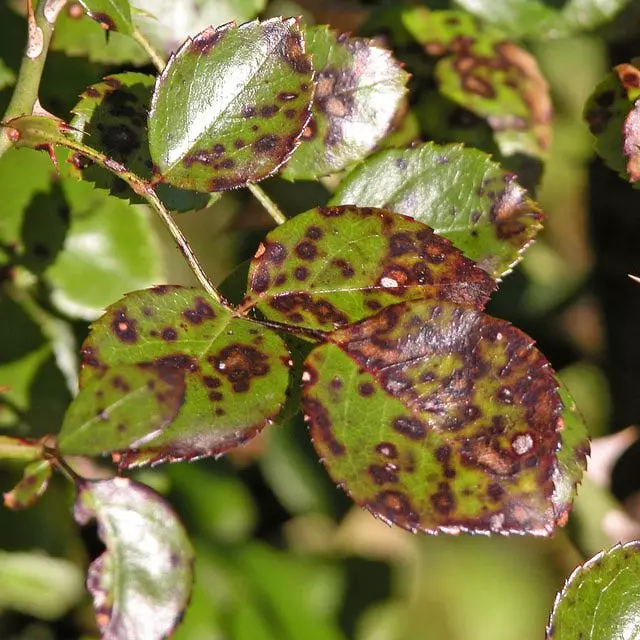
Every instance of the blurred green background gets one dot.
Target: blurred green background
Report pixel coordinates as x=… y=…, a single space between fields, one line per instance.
x=281 y=553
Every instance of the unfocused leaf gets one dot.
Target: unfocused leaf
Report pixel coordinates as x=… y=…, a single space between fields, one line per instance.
x=458 y=192
x=437 y=417
x=224 y=377
x=601 y=599
x=111 y=15
x=541 y=19
x=613 y=115
x=38 y=585
x=231 y=105
x=7 y=77
x=112 y=117
x=167 y=23
x=33 y=484
x=331 y=266
x=359 y=87
x=142 y=582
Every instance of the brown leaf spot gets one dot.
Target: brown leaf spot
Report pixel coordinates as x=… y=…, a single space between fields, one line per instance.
x=211 y=382
x=409 y=427
x=366 y=389
x=205 y=41
x=169 y=334
x=315 y=233
x=443 y=500
x=260 y=279
x=387 y=449
x=200 y=312
x=265 y=144
x=124 y=328
x=306 y=250
x=301 y=273
x=383 y=474
x=321 y=426
x=292 y=51
x=241 y=363
x=120 y=384
x=395 y=507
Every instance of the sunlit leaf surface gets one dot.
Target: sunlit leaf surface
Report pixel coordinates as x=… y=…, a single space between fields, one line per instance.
x=142 y=582
x=169 y=374
x=460 y=193
x=601 y=599
x=331 y=266
x=358 y=90
x=436 y=417
x=231 y=105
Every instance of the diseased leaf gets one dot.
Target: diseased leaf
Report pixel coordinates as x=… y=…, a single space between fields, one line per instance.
x=572 y=456
x=33 y=484
x=436 y=417
x=359 y=87
x=167 y=23
x=540 y=19
x=225 y=377
x=601 y=598
x=458 y=192
x=613 y=115
x=231 y=105
x=142 y=582
x=331 y=266
x=112 y=114
x=111 y=15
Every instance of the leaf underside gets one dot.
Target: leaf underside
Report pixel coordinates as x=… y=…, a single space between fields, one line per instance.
x=331 y=266
x=438 y=418
x=231 y=105
x=460 y=193
x=141 y=584
x=33 y=484
x=601 y=599
x=359 y=87
x=169 y=374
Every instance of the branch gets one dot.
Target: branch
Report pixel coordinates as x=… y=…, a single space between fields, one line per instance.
x=156 y=58
x=271 y=207
x=25 y=96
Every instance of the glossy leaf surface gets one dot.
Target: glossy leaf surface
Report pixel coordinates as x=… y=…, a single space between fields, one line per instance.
x=231 y=105
x=436 y=417
x=460 y=193
x=613 y=115
x=192 y=380
x=111 y=15
x=331 y=266
x=33 y=484
x=359 y=87
x=540 y=18
x=167 y=23
x=142 y=582
x=112 y=117
x=601 y=599
x=481 y=72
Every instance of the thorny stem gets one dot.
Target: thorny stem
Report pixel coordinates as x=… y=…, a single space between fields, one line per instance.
x=156 y=58
x=25 y=95
x=271 y=207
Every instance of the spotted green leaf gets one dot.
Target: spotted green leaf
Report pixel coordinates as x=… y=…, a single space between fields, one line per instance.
x=112 y=117
x=33 y=484
x=359 y=87
x=231 y=105
x=169 y=374
x=541 y=19
x=111 y=15
x=331 y=266
x=142 y=583
x=458 y=192
x=436 y=417
x=601 y=598
x=613 y=115
x=167 y=23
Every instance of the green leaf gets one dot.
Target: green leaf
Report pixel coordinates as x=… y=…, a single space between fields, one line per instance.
x=226 y=377
x=601 y=598
x=38 y=585
x=613 y=115
x=113 y=114
x=7 y=77
x=167 y=23
x=331 y=266
x=141 y=584
x=436 y=417
x=231 y=105
x=359 y=87
x=111 y=15
x=33 y=484
x=458 y=192
x=78 y=35
x=572 y=455
x=540 y=19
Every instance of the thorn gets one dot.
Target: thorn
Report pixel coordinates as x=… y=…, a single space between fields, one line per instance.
x=52 y=154
x=634 y=278
x=35 y=37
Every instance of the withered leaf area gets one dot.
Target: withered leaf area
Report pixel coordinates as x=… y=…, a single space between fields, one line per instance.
x=332 y=266
x=437 y=417
x=170 y=374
